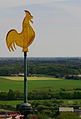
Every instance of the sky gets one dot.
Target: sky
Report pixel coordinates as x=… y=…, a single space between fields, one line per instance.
x=57 y=25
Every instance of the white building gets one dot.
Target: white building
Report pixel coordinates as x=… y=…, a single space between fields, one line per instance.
x=66 y=109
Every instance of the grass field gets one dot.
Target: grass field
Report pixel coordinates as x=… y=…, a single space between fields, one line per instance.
x=66 y=102
x=39 y=83
x=30 y=78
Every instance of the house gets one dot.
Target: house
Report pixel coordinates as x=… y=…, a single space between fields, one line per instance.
x=21 y=74
x=66 y=109
x=67 y=76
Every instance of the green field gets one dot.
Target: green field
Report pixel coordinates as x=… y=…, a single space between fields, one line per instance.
x=66 y=102
x=39 y=83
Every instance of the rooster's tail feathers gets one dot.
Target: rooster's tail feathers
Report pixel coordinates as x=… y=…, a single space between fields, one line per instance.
x=10 y=40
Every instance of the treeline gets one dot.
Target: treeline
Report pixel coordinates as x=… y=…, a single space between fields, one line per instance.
x=56 y=67
x=9 y=66
x=40 y=95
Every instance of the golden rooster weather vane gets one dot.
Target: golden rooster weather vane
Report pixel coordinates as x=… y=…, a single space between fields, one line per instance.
x=23 y=39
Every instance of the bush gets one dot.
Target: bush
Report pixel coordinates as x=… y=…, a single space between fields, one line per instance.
x=68 y=115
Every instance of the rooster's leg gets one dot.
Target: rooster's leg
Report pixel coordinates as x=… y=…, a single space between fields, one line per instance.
x=25 y=49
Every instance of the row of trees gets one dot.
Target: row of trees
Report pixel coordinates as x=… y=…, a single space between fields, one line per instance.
x=40 y=95
x=38 y=66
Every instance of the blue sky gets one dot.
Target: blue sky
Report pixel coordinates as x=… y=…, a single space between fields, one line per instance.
x=57 y=25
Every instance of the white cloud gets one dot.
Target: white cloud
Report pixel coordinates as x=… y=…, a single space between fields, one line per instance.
x=74 y=11
x=60 y=0
x=14 y=3
x=73 y=14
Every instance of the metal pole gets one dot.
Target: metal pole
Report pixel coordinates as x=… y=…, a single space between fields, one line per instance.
x=27 y=106
x=25 y=77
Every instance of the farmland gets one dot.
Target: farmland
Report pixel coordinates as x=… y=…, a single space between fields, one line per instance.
x=47 y=89
x=16 y=83
x=65 y=102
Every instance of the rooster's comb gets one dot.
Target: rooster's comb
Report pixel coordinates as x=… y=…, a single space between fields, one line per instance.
x=26 y=11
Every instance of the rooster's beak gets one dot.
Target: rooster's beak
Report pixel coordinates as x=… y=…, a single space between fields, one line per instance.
x=31 y=18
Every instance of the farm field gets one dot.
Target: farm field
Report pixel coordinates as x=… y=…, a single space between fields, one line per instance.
x=29 y=78
x=7 y=83
x=66 y=102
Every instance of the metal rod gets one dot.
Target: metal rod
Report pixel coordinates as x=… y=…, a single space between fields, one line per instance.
x=25 y=77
